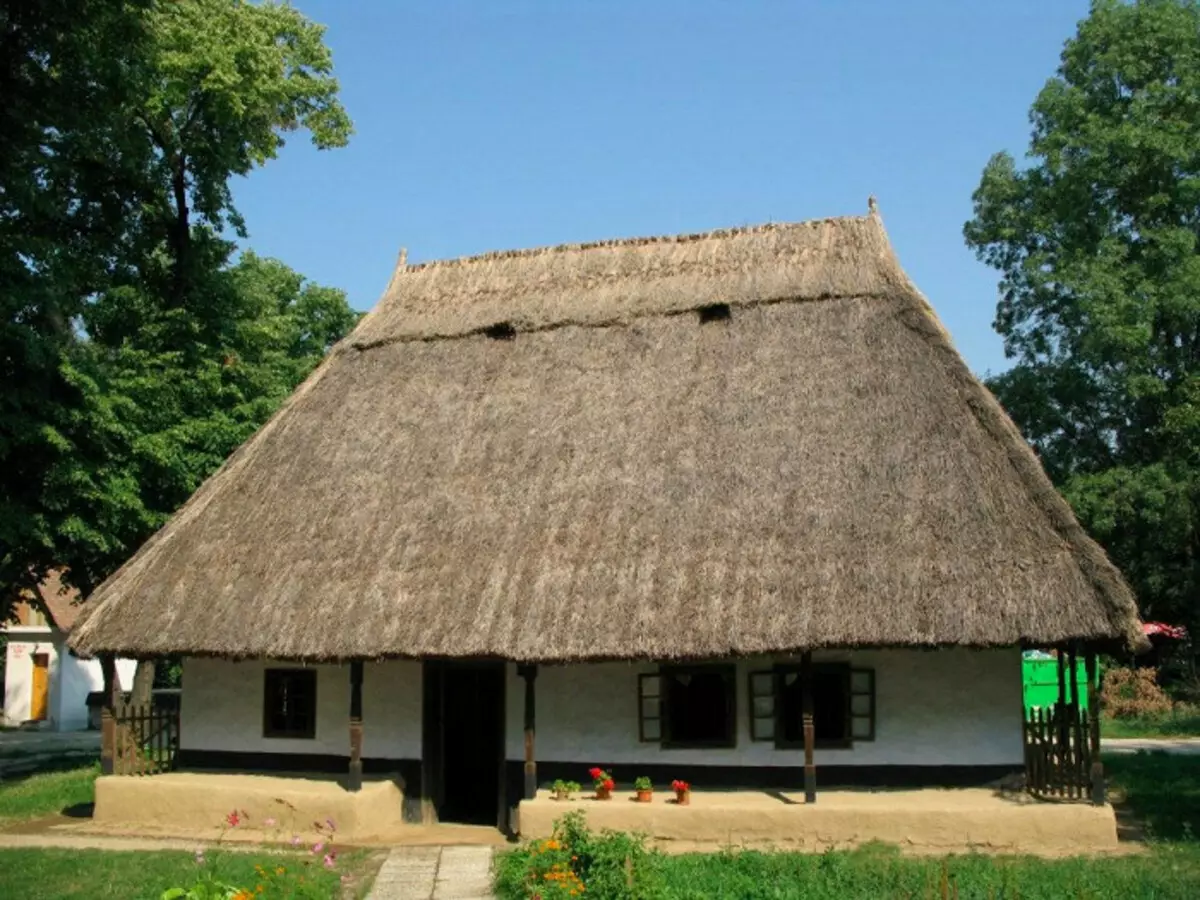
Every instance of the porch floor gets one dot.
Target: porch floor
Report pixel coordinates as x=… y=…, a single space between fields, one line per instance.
x=924 y=821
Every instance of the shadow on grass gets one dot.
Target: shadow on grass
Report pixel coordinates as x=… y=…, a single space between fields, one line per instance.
x=1157 y=794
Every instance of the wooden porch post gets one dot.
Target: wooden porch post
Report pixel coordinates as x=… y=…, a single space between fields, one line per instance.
x=529 y=673
x=1060 y=708
x=108 y=721
x=1093 y=698
x=806 y=700
x=354 y=781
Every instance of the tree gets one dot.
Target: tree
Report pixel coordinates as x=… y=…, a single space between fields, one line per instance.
x=135 y=356
x=1096 y=237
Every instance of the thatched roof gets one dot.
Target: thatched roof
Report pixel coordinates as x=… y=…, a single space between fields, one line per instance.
x=556 y=454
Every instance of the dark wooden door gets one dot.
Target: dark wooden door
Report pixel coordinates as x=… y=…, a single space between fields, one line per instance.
x=466 y=742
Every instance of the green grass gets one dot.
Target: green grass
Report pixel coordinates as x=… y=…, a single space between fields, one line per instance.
x=1164 y=726
x=1161 y=792
x=46 y=793
x=98 y=874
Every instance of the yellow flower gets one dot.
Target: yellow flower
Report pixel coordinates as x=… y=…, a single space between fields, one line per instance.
x=280 y=870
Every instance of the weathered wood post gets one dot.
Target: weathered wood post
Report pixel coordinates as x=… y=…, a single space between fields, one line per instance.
x=1093 y=695
x=806 y=701
x=108 y=720
x=354 y=781
x=529 y=673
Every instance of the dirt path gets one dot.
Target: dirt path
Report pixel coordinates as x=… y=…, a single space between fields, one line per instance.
x=1186 y=746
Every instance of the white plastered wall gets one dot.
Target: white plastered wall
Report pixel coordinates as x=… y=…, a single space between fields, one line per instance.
x=222 y=709
x=932 y=708
x=70 y=679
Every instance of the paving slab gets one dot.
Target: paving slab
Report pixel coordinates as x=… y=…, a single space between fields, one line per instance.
x=435 y=873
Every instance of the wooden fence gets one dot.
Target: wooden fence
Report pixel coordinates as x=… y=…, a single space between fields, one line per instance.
x=1059 y=755
x=145 y=739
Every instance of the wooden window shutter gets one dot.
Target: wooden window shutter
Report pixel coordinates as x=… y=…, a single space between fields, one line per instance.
x=862 y=704
x=650 y=708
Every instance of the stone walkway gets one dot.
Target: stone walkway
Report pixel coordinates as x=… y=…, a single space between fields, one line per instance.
x=435 y=873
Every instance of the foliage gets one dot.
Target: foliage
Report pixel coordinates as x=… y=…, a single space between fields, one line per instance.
x=1182 y=721
x=1096 y=238
x=565 y=788
x=33 y=873
x=576 y=862
x=46 y=793
x=642 y=783
x=1129 y=693
x=136 y=355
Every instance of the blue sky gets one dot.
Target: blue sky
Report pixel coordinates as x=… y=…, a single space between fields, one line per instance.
x=493 y=125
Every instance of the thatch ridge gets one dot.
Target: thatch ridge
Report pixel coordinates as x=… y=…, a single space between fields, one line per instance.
x=730 y=499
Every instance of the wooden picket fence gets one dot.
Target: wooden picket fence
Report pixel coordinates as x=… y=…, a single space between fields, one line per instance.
x=1058 y=753
x=146 y=740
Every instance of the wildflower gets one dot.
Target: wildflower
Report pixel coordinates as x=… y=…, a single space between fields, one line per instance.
x=318 y=847
x=269 y=822
x=330 y=859
x=295 y=842
x=332 y=827
x=199 y=856
x=232 y=819
x=279 y=870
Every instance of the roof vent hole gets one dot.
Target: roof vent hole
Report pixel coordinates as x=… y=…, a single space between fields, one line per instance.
x=714 y=312
x=501 y=331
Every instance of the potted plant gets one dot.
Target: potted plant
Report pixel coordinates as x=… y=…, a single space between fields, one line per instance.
x=645 y=790
x=603 y=782
x=683 y=792
x=564 y=789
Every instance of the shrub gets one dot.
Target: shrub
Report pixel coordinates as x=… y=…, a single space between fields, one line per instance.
x=1133 y=693
x=574 y=862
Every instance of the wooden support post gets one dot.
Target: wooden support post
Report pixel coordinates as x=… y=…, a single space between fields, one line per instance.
x=1060 y=708
x=108 y=720
x=806 y=699
x=529 y=673
x=354 y=781
x=1093 y=696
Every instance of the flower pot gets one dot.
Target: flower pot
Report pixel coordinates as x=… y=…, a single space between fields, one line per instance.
x=683 y=798
x=603 y=793
x=644 y=796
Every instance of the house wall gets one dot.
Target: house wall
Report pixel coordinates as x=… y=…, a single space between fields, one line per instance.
x=932 y=708
x=222 y=709
x=23 y=643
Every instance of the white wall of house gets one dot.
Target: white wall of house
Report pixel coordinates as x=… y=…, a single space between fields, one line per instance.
x=932 y=708
x=70 y=679
x=222 y=709
x=943 y=707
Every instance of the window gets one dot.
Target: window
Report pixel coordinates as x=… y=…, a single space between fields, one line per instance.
x=290 y=703
x=688 y=706
x=843 y=706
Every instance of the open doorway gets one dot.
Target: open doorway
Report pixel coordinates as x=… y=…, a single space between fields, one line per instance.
x=464 y=727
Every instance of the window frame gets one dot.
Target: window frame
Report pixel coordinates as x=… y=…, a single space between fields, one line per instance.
x=665 y=741
x=275 y=672
x=780 y=671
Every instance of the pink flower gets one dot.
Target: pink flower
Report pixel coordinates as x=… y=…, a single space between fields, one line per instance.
x=318 y=847
x=330 y=859
x=295 y=840
x=268 y=823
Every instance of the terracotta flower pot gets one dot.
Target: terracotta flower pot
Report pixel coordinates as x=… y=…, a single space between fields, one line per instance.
x=603 y=793
x=644 y=796
x=683 y=798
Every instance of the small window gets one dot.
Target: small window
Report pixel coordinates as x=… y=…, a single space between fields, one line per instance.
x=688 y=706
x=290 y=704
x=843 y=706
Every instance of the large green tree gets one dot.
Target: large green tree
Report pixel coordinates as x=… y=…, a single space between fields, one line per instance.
x=136 y=354
x=1097 y=237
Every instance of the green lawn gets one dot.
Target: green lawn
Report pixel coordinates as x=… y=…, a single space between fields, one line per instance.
x=46 y=793
x=98 y=874
x=1185 y=724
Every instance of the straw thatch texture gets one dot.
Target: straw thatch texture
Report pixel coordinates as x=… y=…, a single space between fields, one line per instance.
x=619 y=480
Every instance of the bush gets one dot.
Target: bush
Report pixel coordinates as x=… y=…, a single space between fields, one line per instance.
x=575 y=862
x=1133 y=694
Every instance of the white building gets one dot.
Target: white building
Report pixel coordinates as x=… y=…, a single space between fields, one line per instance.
x=44 y=682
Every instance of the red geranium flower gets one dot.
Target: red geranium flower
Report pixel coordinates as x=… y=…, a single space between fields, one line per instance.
x=595 y=771
x=608 y=784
